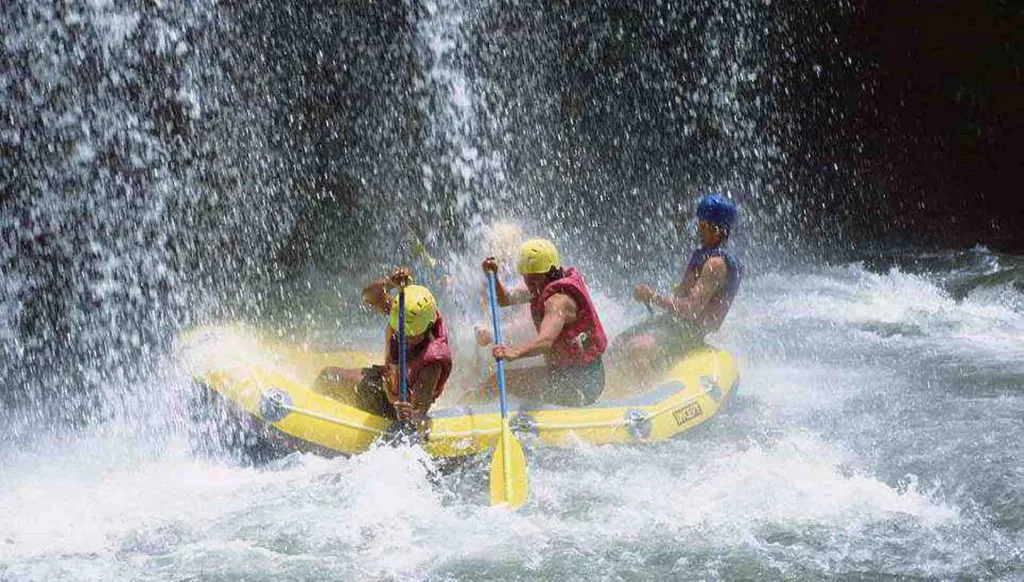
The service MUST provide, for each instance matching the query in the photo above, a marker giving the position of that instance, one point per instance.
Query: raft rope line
(552, 426)
(488, 432)
(331, 419)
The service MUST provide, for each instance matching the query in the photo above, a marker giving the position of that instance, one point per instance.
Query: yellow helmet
(420, 310)
(537, 256)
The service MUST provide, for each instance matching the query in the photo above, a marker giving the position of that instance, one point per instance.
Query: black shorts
(672, 337)
(574, 385)
(372, 394)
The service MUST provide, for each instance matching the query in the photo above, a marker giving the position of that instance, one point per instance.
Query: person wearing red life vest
(429, 357)
(569, 332)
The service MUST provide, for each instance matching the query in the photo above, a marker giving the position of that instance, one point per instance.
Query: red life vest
(433, 350)
(581, 341)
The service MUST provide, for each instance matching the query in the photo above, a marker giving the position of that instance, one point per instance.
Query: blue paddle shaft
(403, 363)
(492, 296)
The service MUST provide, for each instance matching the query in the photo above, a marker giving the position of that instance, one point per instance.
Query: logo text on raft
(685, 414)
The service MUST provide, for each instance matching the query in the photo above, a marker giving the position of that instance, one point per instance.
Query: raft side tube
(275, 384)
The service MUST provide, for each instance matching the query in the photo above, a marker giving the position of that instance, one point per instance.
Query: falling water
(165, 165)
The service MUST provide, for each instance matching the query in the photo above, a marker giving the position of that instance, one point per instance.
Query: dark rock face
(938, 113)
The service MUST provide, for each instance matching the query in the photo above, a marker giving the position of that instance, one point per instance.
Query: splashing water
(160, 158)
(826, 466)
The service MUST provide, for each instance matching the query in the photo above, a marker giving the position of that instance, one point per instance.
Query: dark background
(899, 122)
(941, 118)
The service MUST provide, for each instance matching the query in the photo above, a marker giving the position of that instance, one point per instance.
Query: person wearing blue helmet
(699, 303)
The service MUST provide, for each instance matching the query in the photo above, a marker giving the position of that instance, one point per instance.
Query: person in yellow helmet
(569, 333)
(429, 358)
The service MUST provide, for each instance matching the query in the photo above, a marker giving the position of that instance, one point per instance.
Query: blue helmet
(718, 210)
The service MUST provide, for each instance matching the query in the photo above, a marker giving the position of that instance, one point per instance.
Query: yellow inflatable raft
(274, 387)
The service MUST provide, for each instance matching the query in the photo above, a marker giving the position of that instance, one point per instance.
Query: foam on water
(791, 482)
(106, 499)
(174, 175)
(726, 492)
(893, 309)
(377, 515)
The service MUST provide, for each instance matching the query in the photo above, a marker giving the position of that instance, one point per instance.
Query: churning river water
(877, 434)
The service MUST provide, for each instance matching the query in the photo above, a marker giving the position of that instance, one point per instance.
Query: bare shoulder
(715, 265)
(519, 295)
(714, 273)
(561, 303)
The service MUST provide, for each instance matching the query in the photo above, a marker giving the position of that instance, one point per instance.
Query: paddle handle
(403, 360)
(492, 297)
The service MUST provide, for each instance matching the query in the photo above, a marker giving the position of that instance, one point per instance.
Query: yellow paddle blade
(508, 471)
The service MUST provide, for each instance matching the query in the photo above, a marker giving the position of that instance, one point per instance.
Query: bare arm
(388, 334)
(681, 289)
(376, 295)
(504, 296)
(688, 304)
(376, 292)
(422, 394)
(513, 296)
(485, 303)
(559, 309)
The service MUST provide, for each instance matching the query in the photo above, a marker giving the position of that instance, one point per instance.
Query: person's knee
(372, 378)
(642, 347)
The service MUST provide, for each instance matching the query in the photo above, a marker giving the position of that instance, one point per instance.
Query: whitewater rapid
(876, 433)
